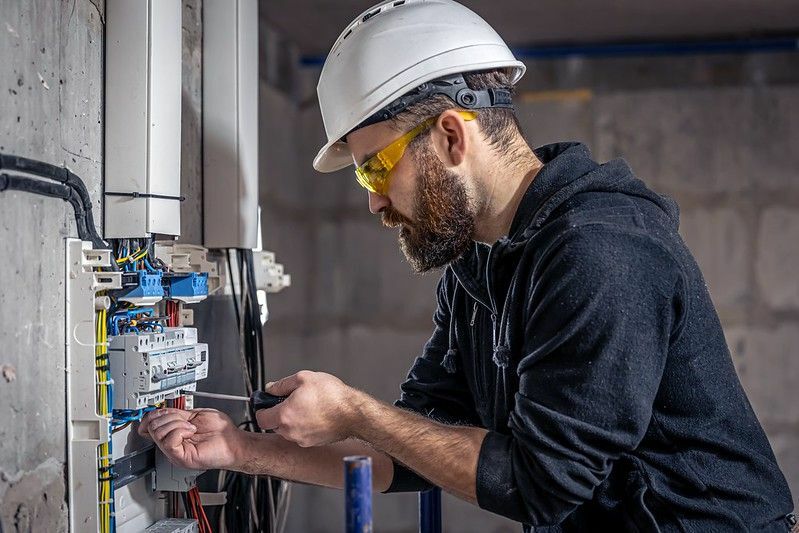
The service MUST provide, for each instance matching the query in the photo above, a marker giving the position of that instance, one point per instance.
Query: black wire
(66, 177)
(233, 288)
(52, 190)
(238, 486)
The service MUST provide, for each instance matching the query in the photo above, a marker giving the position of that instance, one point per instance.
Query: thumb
(283, 387)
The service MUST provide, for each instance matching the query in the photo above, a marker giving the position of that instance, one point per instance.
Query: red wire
(196, 509)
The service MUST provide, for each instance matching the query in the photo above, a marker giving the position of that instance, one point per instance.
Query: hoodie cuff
(496, 490)
(406, 480)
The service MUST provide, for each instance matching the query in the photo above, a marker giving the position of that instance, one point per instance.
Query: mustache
(391, 218)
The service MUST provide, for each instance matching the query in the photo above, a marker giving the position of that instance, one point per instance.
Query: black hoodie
(587, 344)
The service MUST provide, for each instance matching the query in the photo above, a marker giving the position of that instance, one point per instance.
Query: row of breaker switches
(148, 368)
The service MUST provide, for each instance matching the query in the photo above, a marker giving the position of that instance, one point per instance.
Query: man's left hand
(320, 409)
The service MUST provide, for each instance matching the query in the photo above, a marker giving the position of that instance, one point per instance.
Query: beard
(444, 226)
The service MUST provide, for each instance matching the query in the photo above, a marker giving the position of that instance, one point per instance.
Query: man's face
(426, 200)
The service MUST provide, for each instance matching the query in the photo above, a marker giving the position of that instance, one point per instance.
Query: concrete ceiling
(315, 24)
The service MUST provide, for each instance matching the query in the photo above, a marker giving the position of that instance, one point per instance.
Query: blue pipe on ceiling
(666, 48)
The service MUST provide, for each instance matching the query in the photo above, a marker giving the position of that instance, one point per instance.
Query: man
(577, 376)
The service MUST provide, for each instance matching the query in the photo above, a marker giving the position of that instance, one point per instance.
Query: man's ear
(450, 138)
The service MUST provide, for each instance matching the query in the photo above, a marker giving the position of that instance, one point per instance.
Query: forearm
(444, 455)
(270, 454)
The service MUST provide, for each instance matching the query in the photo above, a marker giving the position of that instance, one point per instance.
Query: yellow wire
(103, 376)
(135, 256)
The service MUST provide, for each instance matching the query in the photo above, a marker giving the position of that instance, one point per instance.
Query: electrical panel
(230, 124)
(143, 66)
(129, 352)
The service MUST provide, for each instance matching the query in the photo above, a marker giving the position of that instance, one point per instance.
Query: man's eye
(373, 167)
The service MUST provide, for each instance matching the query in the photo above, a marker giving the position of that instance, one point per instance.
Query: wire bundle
(191, 499)
(104, 407)
(136, 254)
(255, 504)
(68, 187)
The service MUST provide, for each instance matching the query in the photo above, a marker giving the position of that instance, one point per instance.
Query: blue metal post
(358, 493)
(430, 511)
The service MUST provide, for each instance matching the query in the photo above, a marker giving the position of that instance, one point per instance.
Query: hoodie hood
(568, 171)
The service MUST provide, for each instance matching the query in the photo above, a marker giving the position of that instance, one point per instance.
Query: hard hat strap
(454, 87)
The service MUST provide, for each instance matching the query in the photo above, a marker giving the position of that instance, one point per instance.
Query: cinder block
(778, 257)
(771, 127)
(377, 359)
(785, 443)
(719, 240)
(280, 178)
(677, 139)
(292, 240)
(556, 119)
(327, 191)
(362, 276)
(768, 366)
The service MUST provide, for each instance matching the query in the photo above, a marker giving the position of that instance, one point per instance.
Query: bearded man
(577, 377)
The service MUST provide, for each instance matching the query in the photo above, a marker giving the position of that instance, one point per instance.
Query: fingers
(154, 419)
(269, 418)
(171, 443)
(287, 385)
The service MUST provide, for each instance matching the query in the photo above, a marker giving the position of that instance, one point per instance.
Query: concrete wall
(718, 133)
(50, 109)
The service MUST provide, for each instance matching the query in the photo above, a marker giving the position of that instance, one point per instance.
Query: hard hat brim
(333, 156)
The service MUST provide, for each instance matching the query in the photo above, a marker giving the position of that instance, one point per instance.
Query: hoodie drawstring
(449, 361)
(502, 348)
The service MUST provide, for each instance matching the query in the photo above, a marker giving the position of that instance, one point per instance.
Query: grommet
(466, 98)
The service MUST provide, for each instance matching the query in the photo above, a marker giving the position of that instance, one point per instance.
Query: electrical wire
(104, 408)
(255, 503)
(65, 177)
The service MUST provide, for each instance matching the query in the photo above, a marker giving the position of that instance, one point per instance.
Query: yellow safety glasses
(373, 175)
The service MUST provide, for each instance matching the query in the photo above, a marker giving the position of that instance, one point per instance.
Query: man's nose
(377, 202)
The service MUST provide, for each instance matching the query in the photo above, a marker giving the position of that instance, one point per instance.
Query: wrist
(244, 444)
(358, 413)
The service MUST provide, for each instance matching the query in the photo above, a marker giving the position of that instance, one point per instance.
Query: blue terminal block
(147, 290)
(189, 288)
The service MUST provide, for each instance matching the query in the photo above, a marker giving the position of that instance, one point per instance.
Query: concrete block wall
(714, 132)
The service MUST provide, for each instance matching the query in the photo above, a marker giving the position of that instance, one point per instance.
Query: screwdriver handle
(264, 400)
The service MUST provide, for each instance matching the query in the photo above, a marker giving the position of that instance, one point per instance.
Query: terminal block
(141, 288)
(148, 368)
(189, 287)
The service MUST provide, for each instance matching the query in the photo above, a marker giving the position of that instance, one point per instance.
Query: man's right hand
(200, 439)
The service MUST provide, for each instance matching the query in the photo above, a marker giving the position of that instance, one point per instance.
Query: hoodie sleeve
(602, 308)
(432, 390)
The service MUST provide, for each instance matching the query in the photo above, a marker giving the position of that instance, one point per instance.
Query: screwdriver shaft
(216, 395)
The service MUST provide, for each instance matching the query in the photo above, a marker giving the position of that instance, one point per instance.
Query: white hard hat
(393, 48)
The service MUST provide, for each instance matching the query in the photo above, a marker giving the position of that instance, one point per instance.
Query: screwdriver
(259, 399)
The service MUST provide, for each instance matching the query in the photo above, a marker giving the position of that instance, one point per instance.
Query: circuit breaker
(152, 367)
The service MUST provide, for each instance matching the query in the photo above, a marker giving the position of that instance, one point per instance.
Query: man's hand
(200, 439)
(320, 409)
